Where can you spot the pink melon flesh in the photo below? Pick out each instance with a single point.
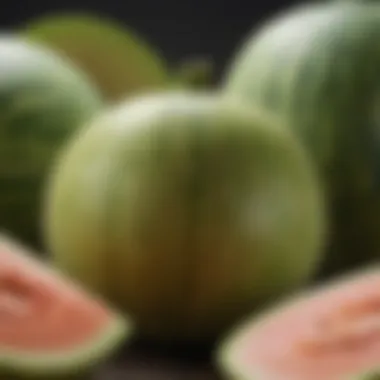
(41, 312)
(331, 334)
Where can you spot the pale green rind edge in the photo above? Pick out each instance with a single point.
(25, 364)
(225, 359)
(77, 360)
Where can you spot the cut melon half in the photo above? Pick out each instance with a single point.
(49, 326)
(330, 333)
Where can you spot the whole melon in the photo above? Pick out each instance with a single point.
(43, 99)
(329, 332)
(317, 68)
(186, 211)
(116, 58)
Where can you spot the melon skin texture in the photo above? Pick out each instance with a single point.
(43, 100)
(47, 293)
(346, 298)
(116, 58)
(186, 211)
(316, 68)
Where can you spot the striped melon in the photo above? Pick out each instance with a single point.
(43, 99)
(186, 211)
(317, 67)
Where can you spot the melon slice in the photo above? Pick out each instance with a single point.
(331, 333)
(48, 325)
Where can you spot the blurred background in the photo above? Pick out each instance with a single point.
(209, 28)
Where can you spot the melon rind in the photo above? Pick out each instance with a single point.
(291, 65)
(36, 85)
(226, 358)
(64, 363)
(141, 60)
(67, 362)
(202, 313)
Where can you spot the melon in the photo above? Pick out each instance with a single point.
(72, 331)
(330, 332)
(43, 99)
(116, 58)
(186, 211)
(316, 66)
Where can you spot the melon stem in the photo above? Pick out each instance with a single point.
(194, 73)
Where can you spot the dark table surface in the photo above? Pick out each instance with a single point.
(143, 362)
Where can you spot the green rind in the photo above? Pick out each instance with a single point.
(225, 359)
(209, 162)
(62, 364)
(43, 99)
(316, 66)
(137, 65)
(358, 1)
(296, 82)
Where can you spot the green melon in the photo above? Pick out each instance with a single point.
(72, 332)
(185, 210)
(330, 332)
(43, 99)
(117, 59)
(317, 68)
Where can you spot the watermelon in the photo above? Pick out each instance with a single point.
(116, 58)
(316, 67)
(43, 99)
(330, 332)
(72, 331)
(186, 211)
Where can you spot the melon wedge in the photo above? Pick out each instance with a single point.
(329, 333)
(49, 326)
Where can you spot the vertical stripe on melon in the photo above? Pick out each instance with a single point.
(48, 325)
(43, 99)
(330, 333)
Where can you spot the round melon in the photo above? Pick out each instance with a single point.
(186, 211)
(49, 327)
(116, 58)
(43, 99)
(317, 68)
(331, 332)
